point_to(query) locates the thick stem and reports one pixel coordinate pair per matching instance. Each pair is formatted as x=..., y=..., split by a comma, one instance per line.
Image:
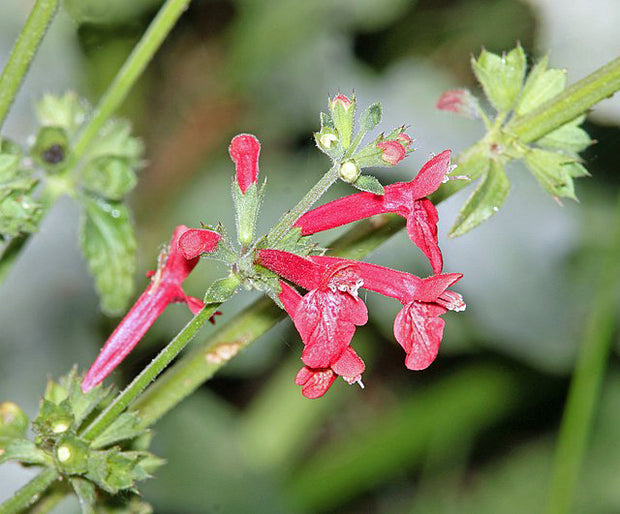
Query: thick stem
x=311, y=197
x=23, y=52
x=586, y=383
x=30, y=493
x=573, y=102
x=148, y=374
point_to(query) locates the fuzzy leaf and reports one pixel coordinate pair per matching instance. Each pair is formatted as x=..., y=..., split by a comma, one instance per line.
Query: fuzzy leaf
x=485, y=201
x=568, y=138
x=111, y=177
x=124, y=427
x=115, y=139
x=553, y=171
x=222, y=289
x=67, y=112
x=370, y=184
x=371, y=117
x=21, y=450
x=9, y=167
x=109, y=245
x=86, y=494
x=541, y=85
x=501, y=77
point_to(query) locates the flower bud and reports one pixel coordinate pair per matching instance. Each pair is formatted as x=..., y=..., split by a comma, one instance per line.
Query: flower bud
x=392, y=152
x=349, y=171
x=342, y=109
x=244, y=150
x=459, y=101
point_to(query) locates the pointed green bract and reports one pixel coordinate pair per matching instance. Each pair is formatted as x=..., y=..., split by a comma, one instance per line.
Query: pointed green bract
x=553, y=171
x=485, y=201
x=370, y=184
x=22, y=450
x=568, y=138
x=371, y=117
x=109, y=245
x=501, y=77
x=541, y=85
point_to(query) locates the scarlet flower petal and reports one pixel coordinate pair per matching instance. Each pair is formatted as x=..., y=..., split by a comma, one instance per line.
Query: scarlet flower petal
x=244, y=150
x=196, y=241
x=314, y=382
x=419, y=330
x=289, y=297
x=349, y=366
x=422, y=230
x=431, y=175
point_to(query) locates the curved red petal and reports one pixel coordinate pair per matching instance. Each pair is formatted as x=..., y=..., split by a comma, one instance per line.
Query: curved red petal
x=349, y=366
x=422, y=230
x=314, y=382
x=431, y=175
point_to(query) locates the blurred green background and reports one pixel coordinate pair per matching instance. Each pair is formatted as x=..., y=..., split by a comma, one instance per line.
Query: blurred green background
x=472, y=434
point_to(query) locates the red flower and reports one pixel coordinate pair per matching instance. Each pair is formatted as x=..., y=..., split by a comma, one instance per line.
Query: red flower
x=164, y=289
x=325, y=317
x=195, y=241
x=244, y=150
x=407, y=199
x=392, y=152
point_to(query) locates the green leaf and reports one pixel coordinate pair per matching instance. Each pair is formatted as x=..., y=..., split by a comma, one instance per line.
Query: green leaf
x=222, y=289
x=115, y=139
x=501, y=77
x=485, y=201
x=326, y=121
x=370, y=184
x=109, y=245
x=111, y=177
x=553, y=171
x=541, y=85
x=67, y=112
x=86, y=494
x=22, y=450
x=124, y=427
x=9, y=167
x=371, y=117
x=569, y=138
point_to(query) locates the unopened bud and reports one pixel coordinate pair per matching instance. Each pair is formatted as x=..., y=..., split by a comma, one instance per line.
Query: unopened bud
x=349, y=171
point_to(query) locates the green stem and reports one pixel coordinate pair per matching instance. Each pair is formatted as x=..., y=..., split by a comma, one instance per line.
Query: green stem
x=311, y=197
x=148, y=374
x=126, y=77
x=586, y=383
x=573, y=102
x=29, y=493
x=23, y=52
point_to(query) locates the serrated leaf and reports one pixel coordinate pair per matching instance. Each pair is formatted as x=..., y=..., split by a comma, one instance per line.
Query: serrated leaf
x=485, y=201
x=370, y=184
x=501, y=77
x=124, y=427
x=110, y=176
x=86, y=494
x=109, y=245
x=67, y=112
x=22, y=450
x=553, y=171
x=569, y=138
x=371, y=117
x=541, y=85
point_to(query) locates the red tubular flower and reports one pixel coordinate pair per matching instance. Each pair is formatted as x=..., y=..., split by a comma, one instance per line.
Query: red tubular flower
x=417, y=327
x=164, y=289
x=325, y=317
x=407, y=199
x=244, y=150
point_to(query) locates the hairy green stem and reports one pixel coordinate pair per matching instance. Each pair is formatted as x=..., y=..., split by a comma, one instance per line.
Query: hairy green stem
x=23, y=52
x=585, y=386
x=30, y=493
x=573, y=102
x=311, y=197
x=148, y=374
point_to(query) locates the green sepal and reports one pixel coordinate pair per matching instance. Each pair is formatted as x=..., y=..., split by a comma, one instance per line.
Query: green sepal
x=109, y=245
x=222, y=289
x=22, y=450
x=71, y=454
x=501, y=77
x=50, y=148
x=53, y=419
x=485, y=201
x=247, y=207
x=86, y=494
x=541, y=85
x=343, y=120
x=326, y=121
x=67, y=112
x=126, y=426
x=554, y=171
x=293, y=242
x=370, y=184
x=371, y=156
x=109, y=176
x=13, y=421
x=9, y=167
x=568, y=138
x=371, y=117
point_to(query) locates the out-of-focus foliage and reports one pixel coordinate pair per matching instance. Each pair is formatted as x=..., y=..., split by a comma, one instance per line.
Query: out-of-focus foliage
x=474, y=433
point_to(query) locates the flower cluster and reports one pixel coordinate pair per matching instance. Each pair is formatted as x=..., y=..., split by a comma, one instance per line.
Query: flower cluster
x=327, y=315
